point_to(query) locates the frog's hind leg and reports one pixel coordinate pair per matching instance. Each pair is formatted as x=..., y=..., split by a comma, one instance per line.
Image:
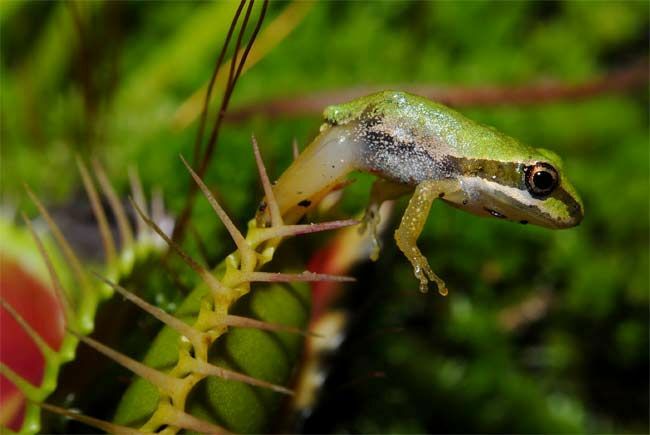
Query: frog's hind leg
x=382, y=190
x=411, y=226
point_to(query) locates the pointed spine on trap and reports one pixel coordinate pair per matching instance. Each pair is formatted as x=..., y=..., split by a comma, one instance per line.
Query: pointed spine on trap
x=247, y=322
x=61, y=295
x=126, y=232
x=183, y=420
x=272, y=204
x=247, y=253
x=47, y=351
x=91, y=421
x=27, y=388
x=213, y=284
x=196, y=337
x=100, y=214
x=68, y=252
x=170, y=385
x=207, y=369
x=263, y=234
x=138, y=197
x=292, y=277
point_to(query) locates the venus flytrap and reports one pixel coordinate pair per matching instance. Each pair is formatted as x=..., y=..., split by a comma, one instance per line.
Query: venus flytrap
x=78, y=296
x=217, y=365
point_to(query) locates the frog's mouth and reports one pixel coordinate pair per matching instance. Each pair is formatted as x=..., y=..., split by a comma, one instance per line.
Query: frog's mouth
x=521, y=207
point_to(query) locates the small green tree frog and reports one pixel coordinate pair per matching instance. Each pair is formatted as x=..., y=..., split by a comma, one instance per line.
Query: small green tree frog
x=416, y=145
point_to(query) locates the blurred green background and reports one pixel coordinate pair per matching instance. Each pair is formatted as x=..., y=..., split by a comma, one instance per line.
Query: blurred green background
x=543, y=331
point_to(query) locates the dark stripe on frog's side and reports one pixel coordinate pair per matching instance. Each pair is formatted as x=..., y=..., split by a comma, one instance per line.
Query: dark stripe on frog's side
x=504, y=173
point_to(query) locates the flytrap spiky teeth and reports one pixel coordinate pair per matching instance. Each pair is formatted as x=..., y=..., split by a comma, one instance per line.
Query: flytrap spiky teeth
x=213, y=283
x=272, y=204
x=170, y=385
x=137, y=192
x=263, y=234
x=62, y=297
x=27, y=388
x=123, y=225
x=247, y=253
x=291, y=277
x=183, y=420
x=41, y=344
x=207, y=369
x=99, y=212
x=68, y=252
x=196, y=337
x=106, y=426
x=247, y=322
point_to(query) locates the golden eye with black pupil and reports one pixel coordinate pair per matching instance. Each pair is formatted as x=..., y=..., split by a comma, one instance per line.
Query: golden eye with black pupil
x=541, y=179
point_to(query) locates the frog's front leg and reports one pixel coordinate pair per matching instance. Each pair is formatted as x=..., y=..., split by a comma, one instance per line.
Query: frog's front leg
x=411, y=226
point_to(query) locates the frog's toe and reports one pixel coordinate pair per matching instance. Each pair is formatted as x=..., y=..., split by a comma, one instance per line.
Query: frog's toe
x=442, y=287
x=425, y=274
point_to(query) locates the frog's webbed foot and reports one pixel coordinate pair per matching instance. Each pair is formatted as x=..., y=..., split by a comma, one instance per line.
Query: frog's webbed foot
x=411, y=226
x=382, y=190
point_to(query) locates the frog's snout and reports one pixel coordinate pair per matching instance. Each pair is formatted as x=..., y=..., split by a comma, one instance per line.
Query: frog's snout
x=572, y=213
x=576, y=214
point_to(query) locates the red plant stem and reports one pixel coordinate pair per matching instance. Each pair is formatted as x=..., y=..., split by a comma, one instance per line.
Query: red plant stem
x=633, y=76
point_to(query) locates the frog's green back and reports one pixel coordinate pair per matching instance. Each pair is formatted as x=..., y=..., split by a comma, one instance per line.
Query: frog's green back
x=441, y=129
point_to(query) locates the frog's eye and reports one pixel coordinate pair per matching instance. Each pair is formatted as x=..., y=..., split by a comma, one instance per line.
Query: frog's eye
x=541, y=179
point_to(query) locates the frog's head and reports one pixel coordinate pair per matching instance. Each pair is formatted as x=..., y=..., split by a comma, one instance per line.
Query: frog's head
x=533, y=190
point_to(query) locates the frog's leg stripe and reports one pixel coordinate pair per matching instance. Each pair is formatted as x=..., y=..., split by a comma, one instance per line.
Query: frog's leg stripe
x=100, y=214
x=61, y=295
x=90, y=421
x=411, y=226
x=126, y=232
x=215, y=286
